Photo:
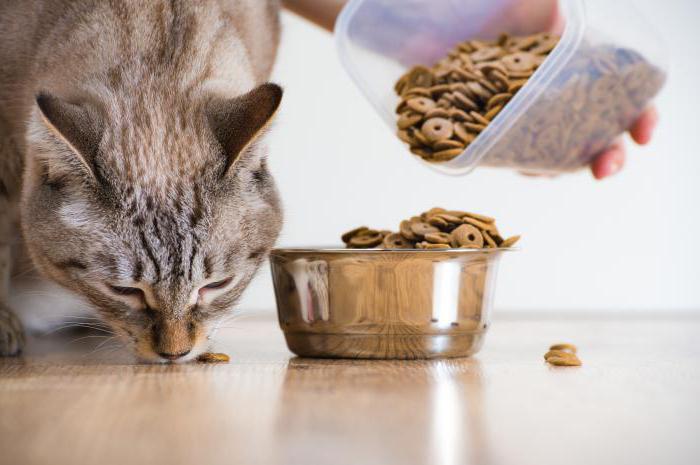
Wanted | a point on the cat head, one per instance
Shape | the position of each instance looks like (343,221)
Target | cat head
(158,213)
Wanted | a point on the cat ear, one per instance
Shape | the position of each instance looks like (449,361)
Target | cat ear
(239,121)
(75,125)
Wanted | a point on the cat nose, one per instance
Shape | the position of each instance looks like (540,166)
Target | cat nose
(169,356)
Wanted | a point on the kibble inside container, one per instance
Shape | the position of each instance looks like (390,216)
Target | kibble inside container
(606,67)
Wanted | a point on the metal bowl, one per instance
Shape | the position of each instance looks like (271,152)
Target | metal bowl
(386,304)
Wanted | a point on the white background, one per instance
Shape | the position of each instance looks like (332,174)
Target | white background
(629,243)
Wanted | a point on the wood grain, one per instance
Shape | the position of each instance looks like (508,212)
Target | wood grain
(633,401)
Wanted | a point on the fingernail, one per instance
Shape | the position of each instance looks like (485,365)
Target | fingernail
(613,167)
(653,129)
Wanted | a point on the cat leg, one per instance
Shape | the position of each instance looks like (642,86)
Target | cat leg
(11,332)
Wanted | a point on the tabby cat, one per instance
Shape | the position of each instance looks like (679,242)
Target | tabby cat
(131,160)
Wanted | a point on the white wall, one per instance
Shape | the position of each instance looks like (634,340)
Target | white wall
(632,242)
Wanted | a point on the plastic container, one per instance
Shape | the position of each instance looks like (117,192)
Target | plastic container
(572,107)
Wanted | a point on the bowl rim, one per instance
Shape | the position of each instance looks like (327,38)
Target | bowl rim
(345,251)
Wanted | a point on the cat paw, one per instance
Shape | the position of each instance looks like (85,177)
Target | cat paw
(11,332)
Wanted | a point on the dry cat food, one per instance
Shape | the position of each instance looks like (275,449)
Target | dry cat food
(211,357)
(444,108)
(562,355)
(437,228)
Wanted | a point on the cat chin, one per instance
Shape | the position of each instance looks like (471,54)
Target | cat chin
(156,360)
(144,354)
(153,359)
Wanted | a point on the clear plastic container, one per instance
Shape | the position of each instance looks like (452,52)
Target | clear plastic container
(608,65)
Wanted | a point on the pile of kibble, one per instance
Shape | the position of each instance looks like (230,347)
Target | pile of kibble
(437,228)
(444,108)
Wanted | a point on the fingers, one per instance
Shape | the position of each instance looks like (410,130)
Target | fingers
(610,161)
(321,13)
(642,129)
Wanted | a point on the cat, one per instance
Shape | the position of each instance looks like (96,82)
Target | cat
(132,160)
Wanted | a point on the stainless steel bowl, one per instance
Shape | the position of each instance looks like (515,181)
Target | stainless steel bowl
(390,304)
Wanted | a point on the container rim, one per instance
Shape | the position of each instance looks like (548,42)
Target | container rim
(344,251)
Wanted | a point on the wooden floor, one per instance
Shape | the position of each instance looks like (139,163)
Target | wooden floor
(635,401)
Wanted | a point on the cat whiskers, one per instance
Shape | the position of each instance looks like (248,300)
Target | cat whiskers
(87,323)
(102,346)
(224,323)
(92,336)
(236,317)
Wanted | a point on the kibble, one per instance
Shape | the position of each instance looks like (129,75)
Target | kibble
(435,229)
(568,360)
(211,357)
(562,354)
(456,99)
(564,346)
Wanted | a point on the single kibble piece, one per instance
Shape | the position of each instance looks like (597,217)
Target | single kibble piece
(437,129)
(564,361)
(556,353)
(366,239)
(352,233)
(562,354)
(468,236)
(510,241)
(211,357)
(421,104)
(438,238)
(396,241)
(420,229)
(564,346)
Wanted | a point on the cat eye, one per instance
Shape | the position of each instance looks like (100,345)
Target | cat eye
(126,291)
(217,285)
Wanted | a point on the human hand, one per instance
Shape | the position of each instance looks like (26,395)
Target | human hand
(611,160)
(523,16)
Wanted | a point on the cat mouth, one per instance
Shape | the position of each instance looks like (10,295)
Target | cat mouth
(155,359)
(146,354)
